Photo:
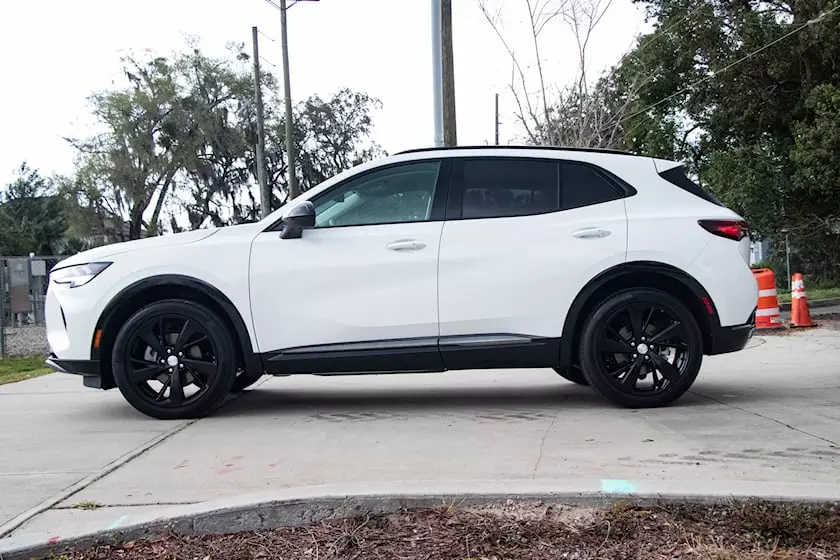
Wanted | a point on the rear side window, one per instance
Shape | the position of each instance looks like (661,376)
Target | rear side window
(676,176)
(498,187)
(584,185)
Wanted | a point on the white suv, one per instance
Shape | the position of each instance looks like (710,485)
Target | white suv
(613,269)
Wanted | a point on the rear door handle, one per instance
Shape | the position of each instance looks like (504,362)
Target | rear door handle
(591,233)
(405,245)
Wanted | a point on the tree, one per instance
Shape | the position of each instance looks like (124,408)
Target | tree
(331,136)
(584,112)
(746,94)
(135,160)
(31,216)
(179,140)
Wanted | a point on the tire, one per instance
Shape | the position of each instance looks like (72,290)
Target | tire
(573,374)
(619,351)
(243,381)
(174,360)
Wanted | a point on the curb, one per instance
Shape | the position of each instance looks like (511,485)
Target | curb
(295,507)
(816,304)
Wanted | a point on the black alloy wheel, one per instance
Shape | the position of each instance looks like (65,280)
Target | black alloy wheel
(641,348)
(174,359)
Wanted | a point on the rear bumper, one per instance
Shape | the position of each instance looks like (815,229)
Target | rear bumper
(89,369)
(732,339)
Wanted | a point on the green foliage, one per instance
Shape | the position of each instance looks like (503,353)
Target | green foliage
(31,217)
(756,120)
(180,139)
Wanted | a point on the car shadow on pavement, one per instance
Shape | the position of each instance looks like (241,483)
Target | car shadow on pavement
(275,400)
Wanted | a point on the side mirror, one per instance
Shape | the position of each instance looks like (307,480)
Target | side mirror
(299,218)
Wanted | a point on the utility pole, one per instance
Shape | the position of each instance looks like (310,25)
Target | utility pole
(497,119)
(450,136)
(265,194)
(287,90)
(437,73)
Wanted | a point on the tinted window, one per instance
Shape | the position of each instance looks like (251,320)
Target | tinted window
(583,185)
(402,193)
(676,176)
(494,188)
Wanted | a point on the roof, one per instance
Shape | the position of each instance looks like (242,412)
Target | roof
(499,147)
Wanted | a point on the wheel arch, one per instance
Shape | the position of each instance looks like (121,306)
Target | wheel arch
(638,274)
(168,286)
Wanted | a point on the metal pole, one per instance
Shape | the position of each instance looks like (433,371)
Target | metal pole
(497,119)
(787,256)
(287,89)
(437,71)
(2,311)
(265,194)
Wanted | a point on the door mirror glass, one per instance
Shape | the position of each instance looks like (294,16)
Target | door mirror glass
(299,218)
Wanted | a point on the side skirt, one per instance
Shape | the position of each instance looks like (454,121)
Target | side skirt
(416,355)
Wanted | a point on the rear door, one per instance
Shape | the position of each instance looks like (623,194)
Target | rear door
(522,237)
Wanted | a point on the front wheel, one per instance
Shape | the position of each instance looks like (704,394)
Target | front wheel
(174,359)
(641,348)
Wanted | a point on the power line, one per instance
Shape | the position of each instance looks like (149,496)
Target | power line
(268,37)
(714,73)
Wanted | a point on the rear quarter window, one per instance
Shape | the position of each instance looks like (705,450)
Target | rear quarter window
(677,177)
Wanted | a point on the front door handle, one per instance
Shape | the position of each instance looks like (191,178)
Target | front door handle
(405,245)
(591,233)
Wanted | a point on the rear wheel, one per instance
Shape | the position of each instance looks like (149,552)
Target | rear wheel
(641,348)
(174,359)
(573,374)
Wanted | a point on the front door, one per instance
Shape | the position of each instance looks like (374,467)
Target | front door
(359,291)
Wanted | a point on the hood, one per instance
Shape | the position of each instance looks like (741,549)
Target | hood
(102,253)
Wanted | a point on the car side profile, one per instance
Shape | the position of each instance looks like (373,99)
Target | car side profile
(614,269)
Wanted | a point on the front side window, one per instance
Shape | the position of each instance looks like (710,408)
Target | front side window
(499,187)
(396,194)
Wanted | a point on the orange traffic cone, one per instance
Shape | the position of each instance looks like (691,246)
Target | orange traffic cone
(800,316)
(767,315)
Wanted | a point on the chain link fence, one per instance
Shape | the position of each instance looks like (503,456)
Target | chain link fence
(23,290)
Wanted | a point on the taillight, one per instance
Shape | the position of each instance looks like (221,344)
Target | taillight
(735,230)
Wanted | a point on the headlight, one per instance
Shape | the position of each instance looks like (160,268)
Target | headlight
(78,275)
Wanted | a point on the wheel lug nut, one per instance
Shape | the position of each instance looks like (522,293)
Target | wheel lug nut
(169,350)
(163,361)
(635,355)
(180,353)
(170,370)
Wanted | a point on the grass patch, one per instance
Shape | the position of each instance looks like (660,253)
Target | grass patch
(523,531)
(87,506)
(813,295)
(18,369)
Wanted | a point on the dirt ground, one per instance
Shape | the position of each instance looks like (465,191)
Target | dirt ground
(735,531)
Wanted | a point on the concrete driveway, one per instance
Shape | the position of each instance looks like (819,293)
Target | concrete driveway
(768,416)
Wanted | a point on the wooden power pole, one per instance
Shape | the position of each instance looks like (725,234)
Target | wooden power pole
(450,136)
(265,193)
(287,91)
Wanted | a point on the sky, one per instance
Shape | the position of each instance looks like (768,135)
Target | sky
(56,53)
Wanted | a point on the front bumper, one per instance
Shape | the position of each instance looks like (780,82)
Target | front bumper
(89,369)
(731,339)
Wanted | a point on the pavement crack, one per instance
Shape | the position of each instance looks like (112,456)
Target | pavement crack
(758,414)
(124,506)
(542,445)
